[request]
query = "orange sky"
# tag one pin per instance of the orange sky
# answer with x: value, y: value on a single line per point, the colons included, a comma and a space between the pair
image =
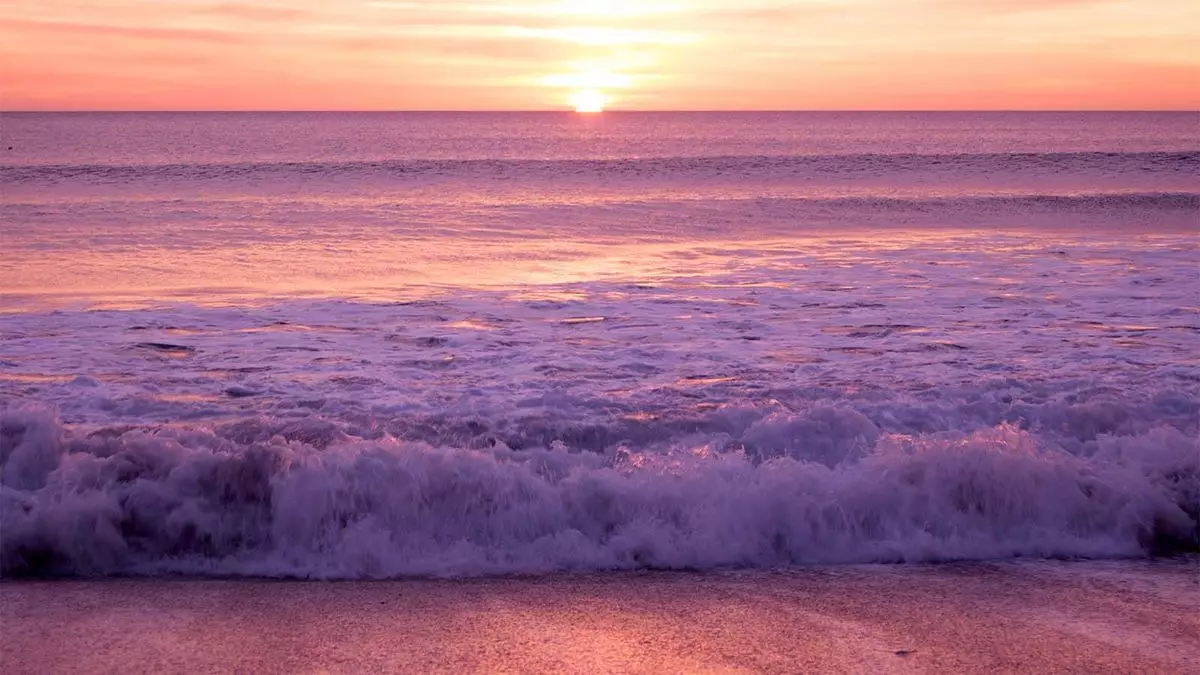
x: 638, y: 54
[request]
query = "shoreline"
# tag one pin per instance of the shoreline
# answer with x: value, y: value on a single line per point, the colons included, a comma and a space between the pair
x: 1044, y: 616
x: 1175, y: 559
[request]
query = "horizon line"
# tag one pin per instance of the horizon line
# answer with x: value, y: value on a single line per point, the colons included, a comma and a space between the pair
x: 568, y: 111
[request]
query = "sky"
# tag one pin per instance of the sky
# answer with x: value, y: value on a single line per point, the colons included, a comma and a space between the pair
x: 620, y: 54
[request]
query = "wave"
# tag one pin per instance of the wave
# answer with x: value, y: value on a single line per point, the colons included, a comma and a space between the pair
x: 293, y: 498
x: 863, y: 206
x: 1144, y: 164
x: 1022, y: 203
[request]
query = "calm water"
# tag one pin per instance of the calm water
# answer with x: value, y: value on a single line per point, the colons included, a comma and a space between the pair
x: 99, y: 208
x: 360, y: 345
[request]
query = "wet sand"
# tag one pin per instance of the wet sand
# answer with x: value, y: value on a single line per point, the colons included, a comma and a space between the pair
x: 1003, y: 617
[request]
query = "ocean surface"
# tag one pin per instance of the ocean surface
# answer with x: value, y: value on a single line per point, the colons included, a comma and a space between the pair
x: 376, y: 345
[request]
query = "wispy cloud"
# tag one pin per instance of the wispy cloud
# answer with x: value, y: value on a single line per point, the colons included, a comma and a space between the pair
x: 257, y: 12
x: 78, y: 30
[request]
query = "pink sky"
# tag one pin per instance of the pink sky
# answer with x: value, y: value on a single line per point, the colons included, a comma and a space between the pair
x: 638, y: 54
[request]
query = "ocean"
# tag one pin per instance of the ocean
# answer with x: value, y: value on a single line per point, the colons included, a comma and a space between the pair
x: 361, y: 346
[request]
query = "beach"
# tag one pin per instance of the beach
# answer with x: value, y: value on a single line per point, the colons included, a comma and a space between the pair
x: 1046, y: 617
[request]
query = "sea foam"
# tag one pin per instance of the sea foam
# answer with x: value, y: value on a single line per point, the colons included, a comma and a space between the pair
x: 197, y: 500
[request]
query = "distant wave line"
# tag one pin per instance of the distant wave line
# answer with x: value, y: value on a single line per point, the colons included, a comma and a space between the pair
x: 1171, y: 161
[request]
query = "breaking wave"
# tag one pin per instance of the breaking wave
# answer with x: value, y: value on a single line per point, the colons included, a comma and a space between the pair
x: 307, y: 499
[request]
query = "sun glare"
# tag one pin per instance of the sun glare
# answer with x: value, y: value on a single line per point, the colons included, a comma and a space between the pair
x: 615, y: 8
x: 589, y: 101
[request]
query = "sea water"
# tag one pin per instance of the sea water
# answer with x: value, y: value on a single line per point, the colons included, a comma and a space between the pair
x: 375, y: 345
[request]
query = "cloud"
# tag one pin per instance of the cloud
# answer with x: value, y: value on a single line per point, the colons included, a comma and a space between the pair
x: 1014, y: 6
x: 255, y: 12
x: 77, y: 29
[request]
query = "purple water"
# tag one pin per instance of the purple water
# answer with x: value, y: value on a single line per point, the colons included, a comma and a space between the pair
x: 370, y: 345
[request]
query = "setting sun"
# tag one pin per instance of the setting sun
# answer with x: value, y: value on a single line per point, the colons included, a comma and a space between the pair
x: 589, y: 101
x: 645, y: 54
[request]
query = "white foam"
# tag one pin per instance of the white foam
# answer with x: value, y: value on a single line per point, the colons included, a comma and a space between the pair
x: 200, y: 501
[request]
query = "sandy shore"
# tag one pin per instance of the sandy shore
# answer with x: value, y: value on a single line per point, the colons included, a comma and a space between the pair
x: 1006, y: 617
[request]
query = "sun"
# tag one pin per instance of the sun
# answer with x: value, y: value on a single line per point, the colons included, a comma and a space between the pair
x: 589, y: 101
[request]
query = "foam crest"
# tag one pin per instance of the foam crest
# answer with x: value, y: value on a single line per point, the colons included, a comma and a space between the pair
x: 198, y: 501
